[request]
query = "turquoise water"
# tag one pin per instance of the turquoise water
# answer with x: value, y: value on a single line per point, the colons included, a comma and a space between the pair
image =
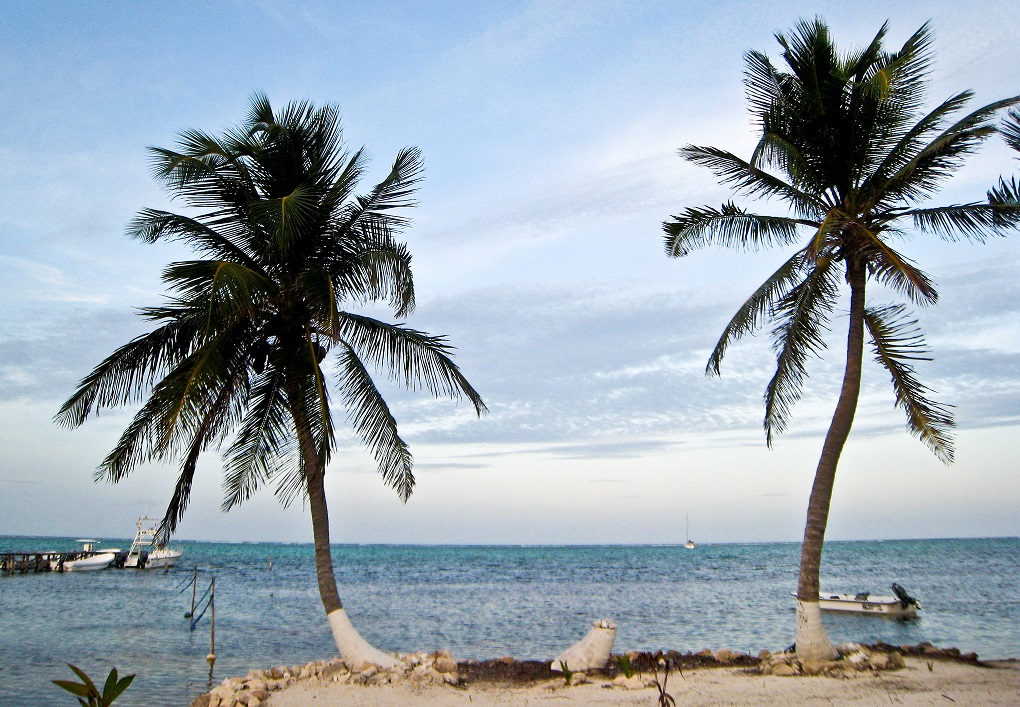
x: 481, y: 602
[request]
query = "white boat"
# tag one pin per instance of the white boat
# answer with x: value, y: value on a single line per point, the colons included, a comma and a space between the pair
x: 902, y: 605
x: 91, y: 562
x: 690, y: 543
x: 143, y: 554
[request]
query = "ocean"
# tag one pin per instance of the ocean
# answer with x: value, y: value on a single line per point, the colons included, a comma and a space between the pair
x: 480, y: 602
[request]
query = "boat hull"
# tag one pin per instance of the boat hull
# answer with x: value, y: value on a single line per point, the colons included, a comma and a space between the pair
x: 875, y: 605
x: 90, y: 564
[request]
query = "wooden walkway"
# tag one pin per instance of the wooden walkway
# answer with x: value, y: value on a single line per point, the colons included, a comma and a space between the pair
x: 24, y: 562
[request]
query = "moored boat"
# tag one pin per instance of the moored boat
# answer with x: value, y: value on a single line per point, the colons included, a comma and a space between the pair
x: 901, y: 605
x: 143, y: 553
x: 92, y: 560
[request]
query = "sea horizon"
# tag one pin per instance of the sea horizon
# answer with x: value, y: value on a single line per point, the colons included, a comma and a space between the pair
x: 678, y: 543
x: 480, y: 602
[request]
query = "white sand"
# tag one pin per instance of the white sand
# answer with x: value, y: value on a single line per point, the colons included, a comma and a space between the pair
x: 947, y: 683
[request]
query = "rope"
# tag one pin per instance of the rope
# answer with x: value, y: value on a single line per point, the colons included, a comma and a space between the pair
x: 198, y: 618
x: 187, y: 583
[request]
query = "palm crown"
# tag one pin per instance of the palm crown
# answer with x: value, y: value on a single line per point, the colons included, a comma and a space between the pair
x: 286, y: 247
x: 845, y: 145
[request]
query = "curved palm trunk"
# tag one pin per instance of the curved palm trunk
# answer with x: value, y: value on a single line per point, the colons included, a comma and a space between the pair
x: 354, y: 650
x: 812, y: 642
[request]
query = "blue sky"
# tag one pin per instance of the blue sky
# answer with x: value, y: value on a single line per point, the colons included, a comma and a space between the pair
x: 549, y: 132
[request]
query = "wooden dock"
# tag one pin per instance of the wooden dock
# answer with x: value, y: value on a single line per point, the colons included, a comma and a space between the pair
x: 24, y: 562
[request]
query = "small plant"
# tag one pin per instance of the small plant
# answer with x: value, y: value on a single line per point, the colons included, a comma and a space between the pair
x: 657, y: 661
x: 625, y: 667
x: 86, y: 689
x: 567, y: 672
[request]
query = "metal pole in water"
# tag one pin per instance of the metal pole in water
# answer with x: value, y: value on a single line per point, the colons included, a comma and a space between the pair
x: 212, y: 623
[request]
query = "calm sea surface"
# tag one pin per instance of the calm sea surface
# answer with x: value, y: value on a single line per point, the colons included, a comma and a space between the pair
x: 480, y: 602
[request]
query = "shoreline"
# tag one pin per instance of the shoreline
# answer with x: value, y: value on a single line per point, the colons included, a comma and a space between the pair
x: 863, y: 675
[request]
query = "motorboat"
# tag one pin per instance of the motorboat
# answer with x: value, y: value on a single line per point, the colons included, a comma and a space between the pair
x: 91, y: 559
x: 901, y: 605
x: 143, y: 553
x: 690, y: 543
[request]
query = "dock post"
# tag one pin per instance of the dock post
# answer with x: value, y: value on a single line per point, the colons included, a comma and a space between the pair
x: 212, y: 624
x: 194, y: 585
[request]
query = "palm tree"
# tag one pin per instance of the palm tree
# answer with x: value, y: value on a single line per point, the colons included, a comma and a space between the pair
x: 845, y: 145
x: 238, y: 355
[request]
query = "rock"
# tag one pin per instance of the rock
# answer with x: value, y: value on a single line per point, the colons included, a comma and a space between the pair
x: 764, y: 655
x: 880, y: 661
x: 445, y: 664
x: 707, y: 653
x: 817, y: 667
x: 724, y: 656
x: 849, y: 648
x: 858, y: 658
x: 784, y: 670
x: 334, y: 669
x: 896, y: 661
x: 634, y: 682
x: 969, y: 657
x: 506, y: 659
x: 450, y: 677
x: 200, y: 701
x: 579, y: 678
x: 370, y: 671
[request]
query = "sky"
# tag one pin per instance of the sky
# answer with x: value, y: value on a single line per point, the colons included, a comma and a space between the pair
x: 549, y: 132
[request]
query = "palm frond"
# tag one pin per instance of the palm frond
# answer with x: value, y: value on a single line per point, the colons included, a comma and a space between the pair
x: 746, y: 178
x: 898, y: 343
x: 977, y: 221
x: 729, y: 226
x: 124, y: 376
x: 802, y: 314
x: 896, y: 270
x: 412, y: 357
x: 1010, y: 129
x: 375, y: 424
x: 753, y: 312
x: 264, y: 445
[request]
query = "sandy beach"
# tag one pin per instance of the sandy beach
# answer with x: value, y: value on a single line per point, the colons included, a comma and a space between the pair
x: 996, y: 683
x: 922, y: 681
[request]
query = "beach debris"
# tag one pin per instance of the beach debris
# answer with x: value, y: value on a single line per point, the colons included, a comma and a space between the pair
x: 590, y: 653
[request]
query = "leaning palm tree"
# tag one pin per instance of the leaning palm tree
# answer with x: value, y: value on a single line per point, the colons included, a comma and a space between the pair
x: 238, y: 357
x: 845, y: 144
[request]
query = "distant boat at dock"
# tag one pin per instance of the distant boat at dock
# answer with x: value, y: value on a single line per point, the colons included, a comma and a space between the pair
x: 143, y: 553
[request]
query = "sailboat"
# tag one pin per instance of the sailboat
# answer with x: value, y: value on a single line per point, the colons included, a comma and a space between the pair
x: 690, y: 543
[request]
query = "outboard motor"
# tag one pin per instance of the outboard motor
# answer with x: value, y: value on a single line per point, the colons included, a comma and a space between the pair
x: 905, y: 599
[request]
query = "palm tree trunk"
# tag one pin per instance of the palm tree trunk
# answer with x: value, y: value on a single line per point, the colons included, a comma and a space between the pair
x: 354, y: 650
x: 812, y: 642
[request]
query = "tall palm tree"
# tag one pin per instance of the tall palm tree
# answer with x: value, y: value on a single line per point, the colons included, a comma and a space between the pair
x: 238, y: 358
x: 845, y: 145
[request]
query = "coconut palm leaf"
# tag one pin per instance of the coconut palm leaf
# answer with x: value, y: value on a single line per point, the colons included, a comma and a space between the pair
x: 728, y: 226
x: 897, y: 342
x: 802, y: 315
x: 757, y: 308
x: 375, y: 424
